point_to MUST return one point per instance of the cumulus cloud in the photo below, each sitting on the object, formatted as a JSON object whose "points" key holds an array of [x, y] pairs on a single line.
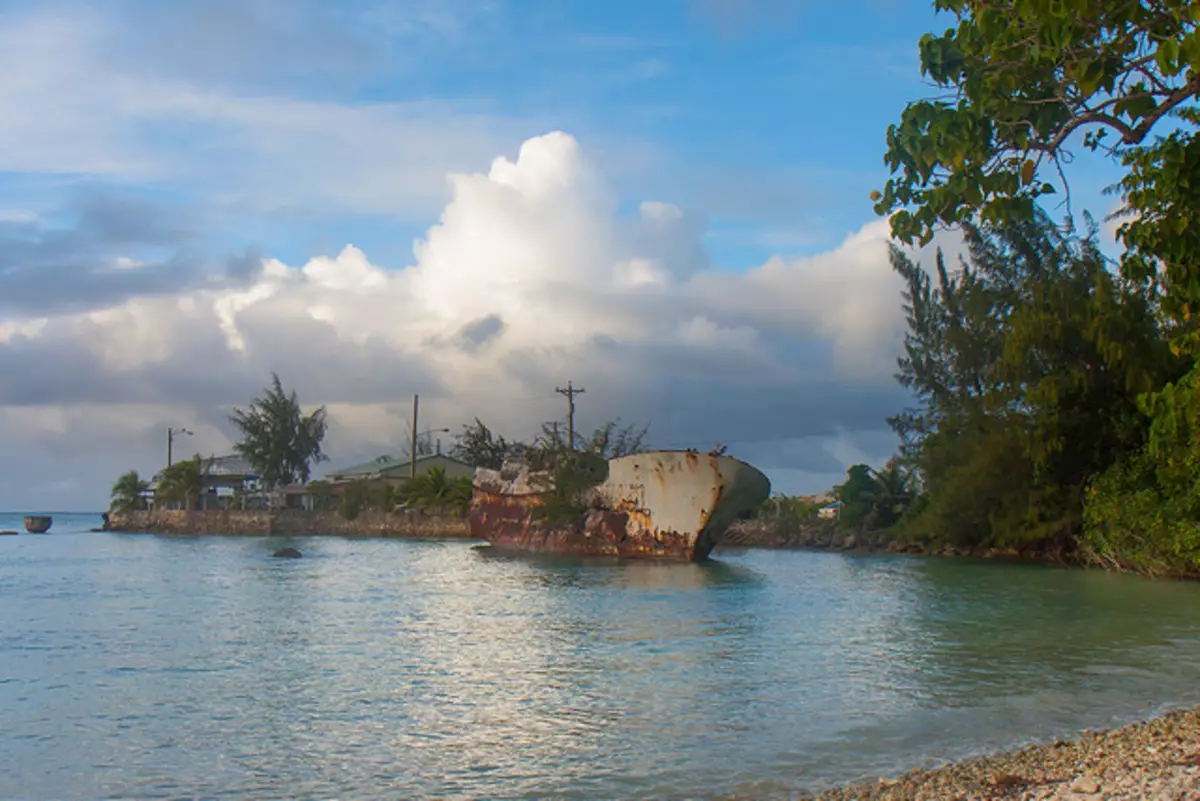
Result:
{"points": [[532, 275]]}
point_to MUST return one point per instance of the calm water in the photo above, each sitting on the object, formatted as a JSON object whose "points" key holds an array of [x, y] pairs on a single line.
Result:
{"points": [[133, 665]]}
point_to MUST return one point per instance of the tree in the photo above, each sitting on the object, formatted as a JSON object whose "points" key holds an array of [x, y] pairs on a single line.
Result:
{"points": [[127, 492], [890, 495], [611, 440], [1025, 77], [277, 439], [855, 496], [1028, 81], [183, 482], [434, 490], [478, 447], [1027, 364]]}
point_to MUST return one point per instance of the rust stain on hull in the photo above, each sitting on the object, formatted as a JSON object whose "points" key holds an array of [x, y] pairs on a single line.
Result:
{"points": [[678, 514]]}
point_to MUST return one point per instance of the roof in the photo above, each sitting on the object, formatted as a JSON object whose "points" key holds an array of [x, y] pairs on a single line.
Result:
{"points": [[230, 465], [385, 463]]}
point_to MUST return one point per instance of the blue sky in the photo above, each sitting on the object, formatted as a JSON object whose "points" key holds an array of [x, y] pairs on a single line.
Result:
{"points": [[179, 183]]}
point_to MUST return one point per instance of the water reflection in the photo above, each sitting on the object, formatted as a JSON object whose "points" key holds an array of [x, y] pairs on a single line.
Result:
{"points": [[202, 666]]}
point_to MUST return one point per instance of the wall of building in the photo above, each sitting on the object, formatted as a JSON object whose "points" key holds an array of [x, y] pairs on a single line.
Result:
{"points": [[289, 522]]}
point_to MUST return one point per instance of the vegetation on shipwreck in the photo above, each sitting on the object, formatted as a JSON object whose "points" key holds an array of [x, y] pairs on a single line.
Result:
{"points": [[572, 472]]}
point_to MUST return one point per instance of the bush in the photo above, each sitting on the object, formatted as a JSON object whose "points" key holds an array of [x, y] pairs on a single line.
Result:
{"points": [[1132, 523]]}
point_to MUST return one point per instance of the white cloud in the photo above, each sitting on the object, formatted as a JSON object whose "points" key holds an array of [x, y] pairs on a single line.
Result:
{"points": [[73, 104], [531, 276]]}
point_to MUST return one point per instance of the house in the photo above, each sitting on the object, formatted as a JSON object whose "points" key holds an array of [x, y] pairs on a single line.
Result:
{"points": [[225, 477], [829, 511], [380, 472], [395, 471]]}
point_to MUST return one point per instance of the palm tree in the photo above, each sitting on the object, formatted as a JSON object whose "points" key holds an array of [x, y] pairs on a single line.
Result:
{"points": [[433, 490], [890, 495], [429, 489], [184, 482], [127, 493]]}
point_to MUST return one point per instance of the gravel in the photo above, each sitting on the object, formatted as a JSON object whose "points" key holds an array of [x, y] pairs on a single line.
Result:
{"points": [[1155, 759]]}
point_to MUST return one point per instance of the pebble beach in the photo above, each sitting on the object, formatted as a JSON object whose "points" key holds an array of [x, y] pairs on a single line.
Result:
{"points": [[1154, 759]]}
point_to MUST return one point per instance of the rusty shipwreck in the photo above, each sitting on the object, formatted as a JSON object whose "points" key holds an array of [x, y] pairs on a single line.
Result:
{"points": [[656, 504]]}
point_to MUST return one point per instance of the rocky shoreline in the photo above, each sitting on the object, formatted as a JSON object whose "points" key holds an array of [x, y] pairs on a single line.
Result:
{"points": [[1153, 759], [824, 535]]}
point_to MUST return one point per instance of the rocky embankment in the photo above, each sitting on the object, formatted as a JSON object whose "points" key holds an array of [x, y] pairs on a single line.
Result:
{"points": [[291, 522], [823, 535], [815, 534], [1155, 759]]}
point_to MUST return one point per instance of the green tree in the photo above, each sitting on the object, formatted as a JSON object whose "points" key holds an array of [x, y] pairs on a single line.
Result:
{"points": [[477, 446], [791, 508], [433, 489], [1027, 82], [890, 495], [1027, 363], [127, 492], [612, 440], [855, 496], [183, 482], [278, 440], [1023, 78]]}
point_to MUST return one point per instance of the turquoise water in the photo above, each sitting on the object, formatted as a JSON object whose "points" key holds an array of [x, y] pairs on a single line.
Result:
{"points": [[142, 666]]}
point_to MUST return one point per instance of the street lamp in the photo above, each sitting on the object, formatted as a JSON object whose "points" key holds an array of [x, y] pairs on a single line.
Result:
{"points": [[171, 434], [412, 449]]}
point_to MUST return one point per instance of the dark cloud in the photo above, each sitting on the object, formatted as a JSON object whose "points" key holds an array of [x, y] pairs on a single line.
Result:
{"points": [[474, 335], [693, 397], [246, 266], [110, 247]]}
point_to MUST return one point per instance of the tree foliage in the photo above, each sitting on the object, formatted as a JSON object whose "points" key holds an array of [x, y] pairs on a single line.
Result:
{"points": [[612, 440], [789, 508], [1027, 363], [875, 499], [278, 440], [477, 446], [434, 490], [127, 492], [1023, 77], [183, 482], [1027, 81], [854, 496]]}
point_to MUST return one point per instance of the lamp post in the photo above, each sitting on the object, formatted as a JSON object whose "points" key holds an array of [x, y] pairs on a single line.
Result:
{"points": [[171, 434], [412, 450]]}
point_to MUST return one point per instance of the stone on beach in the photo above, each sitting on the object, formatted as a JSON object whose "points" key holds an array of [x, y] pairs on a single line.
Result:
{"points": [[1158, 758]]}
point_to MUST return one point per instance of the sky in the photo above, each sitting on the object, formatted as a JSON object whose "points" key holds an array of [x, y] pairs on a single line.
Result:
{"points": [[475, 201]]}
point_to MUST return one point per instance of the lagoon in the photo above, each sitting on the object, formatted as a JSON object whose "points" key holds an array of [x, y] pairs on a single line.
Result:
{"points": [[136, 665]]}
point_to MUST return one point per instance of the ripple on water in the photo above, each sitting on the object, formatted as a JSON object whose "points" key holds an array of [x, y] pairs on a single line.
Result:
{"points": [[147, 666]]}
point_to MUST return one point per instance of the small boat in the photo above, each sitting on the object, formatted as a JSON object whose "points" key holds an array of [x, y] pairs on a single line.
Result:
{"points": [[38, 524]]}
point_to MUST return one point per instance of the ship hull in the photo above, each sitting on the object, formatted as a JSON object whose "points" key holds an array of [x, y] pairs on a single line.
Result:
{"points": [[658, 505]]}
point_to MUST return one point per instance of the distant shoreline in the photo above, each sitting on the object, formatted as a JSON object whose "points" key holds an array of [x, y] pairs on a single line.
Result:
{"points": [[1154, 758]]}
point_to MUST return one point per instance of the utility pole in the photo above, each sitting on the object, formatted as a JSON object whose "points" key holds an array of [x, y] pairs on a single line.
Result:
{"points": [[171, 432], [570, 392], [412, 450]]}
